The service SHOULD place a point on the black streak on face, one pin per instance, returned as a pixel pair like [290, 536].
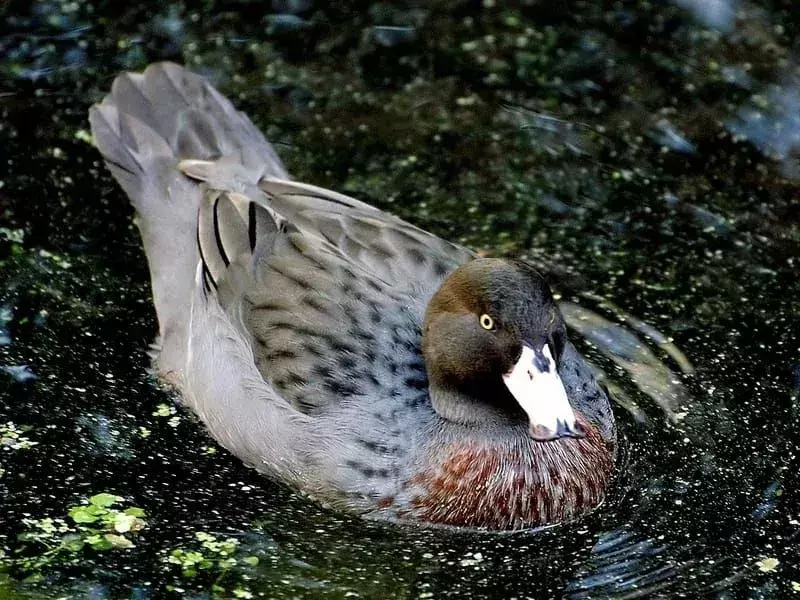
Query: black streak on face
[540, 361]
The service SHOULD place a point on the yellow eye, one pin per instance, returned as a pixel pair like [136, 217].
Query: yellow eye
[487, 322]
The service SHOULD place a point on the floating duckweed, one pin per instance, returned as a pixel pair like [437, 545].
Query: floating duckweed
[16, 236]
[767, 565]
[164, 410]
[96, 524]
[12, 438]
[84, 136]
[471, 560]
[59, 261]
[216, 557]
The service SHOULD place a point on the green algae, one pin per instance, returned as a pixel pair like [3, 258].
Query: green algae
[96, 525]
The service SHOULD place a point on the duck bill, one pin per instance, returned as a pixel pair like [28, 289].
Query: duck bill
[535, 384]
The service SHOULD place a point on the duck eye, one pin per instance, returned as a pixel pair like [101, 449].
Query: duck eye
[487, 322]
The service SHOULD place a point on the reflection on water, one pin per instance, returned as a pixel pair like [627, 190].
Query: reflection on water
[628, 352]
[716, 14]
[654, 184]
[771, 121]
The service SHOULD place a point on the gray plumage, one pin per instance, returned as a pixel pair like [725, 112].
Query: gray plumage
[323, 309]
[289, 315]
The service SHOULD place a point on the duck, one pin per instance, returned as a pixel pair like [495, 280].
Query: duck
[339, 349]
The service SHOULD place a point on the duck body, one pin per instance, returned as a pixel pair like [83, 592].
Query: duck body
[337, 348]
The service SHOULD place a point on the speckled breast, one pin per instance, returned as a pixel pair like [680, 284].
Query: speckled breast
[511, 484]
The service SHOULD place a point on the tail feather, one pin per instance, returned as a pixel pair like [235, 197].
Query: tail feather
[144, 128]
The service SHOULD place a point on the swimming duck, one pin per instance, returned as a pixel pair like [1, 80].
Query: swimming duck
[338, 348]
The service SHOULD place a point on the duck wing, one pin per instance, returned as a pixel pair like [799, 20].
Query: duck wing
[170, 139]
[389, 248]
[399, 253]
[329, 292]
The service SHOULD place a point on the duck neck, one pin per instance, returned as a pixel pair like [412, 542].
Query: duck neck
[475, 404]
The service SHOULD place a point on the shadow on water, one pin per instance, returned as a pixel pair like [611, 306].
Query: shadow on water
[645, 158]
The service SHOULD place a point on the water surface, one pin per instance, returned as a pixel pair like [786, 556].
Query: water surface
[645, 158]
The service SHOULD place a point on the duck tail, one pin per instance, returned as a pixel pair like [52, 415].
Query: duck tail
[144, 128]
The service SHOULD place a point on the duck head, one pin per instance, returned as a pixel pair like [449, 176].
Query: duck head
[492, 339]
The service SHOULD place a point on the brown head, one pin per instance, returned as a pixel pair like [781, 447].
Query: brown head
[492, 339]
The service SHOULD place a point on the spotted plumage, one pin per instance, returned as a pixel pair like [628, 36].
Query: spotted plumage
[338, 348]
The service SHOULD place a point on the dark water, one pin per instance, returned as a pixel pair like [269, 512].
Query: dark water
[645, 156]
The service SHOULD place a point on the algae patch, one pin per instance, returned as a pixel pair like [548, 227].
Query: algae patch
[98, 524]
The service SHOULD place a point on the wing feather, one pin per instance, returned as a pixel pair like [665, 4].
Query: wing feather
[329, 290]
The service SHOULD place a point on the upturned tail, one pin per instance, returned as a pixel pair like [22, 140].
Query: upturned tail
[148, 124]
